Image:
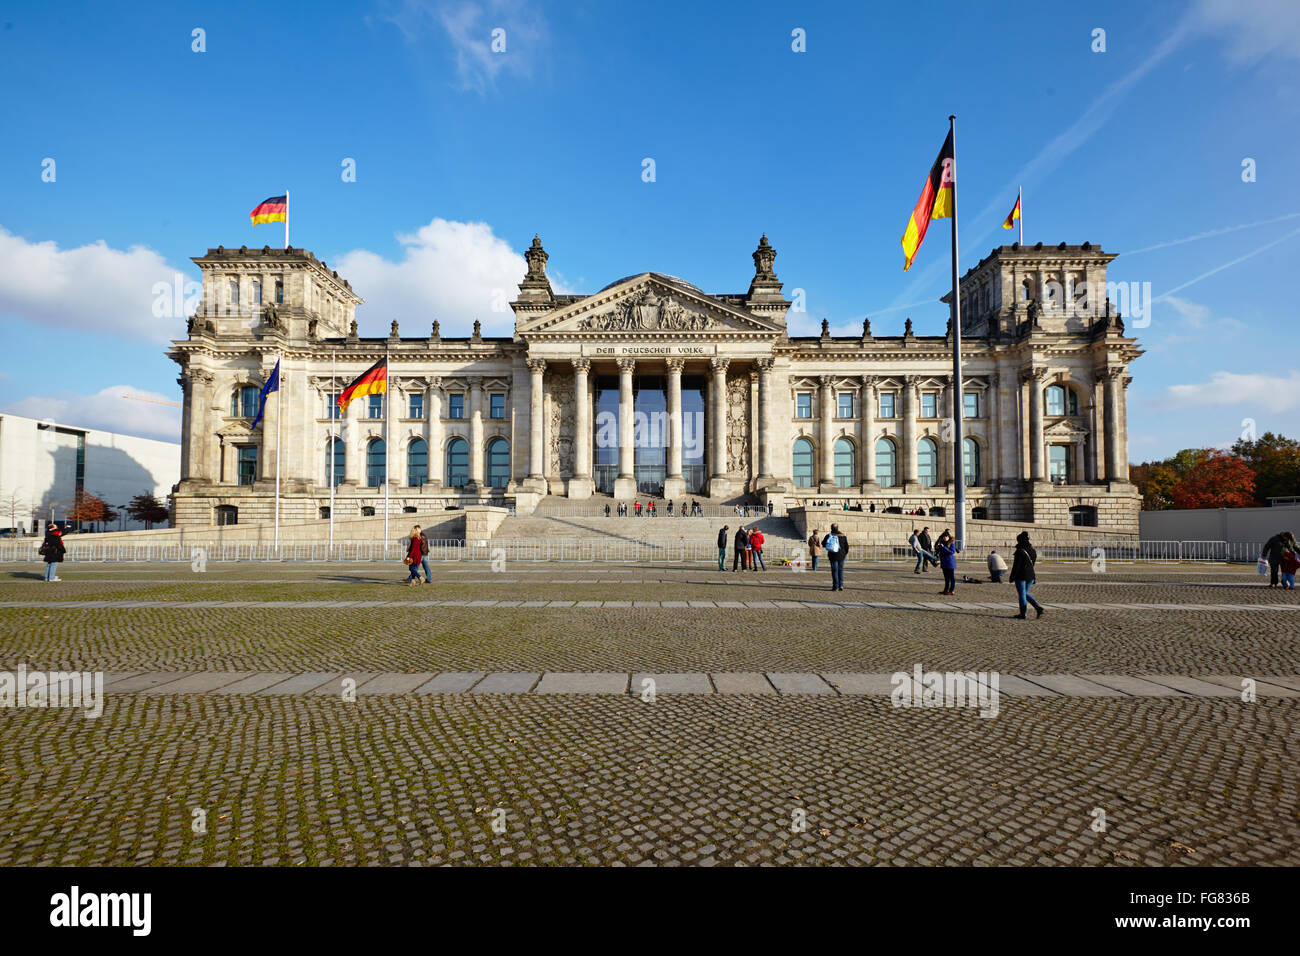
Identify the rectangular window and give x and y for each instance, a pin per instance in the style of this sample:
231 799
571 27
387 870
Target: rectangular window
497 405
416 405
845 409
456 405
971 402
1058 464
332 405
234 291
887 404
929 404
279 292
256 292
803 405
247 464
375 407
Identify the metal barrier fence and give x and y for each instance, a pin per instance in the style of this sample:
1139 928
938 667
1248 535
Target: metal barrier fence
594 509
606 549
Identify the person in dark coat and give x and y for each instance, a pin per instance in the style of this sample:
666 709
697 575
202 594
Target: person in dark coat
52 550
1272 552
1022 573
927 546
946 549
742 543
837 549
722 548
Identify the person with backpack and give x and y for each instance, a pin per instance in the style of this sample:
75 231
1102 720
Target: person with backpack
722 548
756 545
837 549
1022 573
52 550
814 546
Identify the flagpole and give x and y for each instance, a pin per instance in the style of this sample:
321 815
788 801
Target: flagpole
959 448
1020 204
334 385
387 408
279 417
286 218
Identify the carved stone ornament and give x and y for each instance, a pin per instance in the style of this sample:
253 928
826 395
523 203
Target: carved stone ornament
647 312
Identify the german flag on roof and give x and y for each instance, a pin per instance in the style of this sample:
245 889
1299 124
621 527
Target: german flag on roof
275 209
935 202
373 381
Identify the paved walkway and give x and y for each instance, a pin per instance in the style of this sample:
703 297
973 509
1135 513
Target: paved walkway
323 683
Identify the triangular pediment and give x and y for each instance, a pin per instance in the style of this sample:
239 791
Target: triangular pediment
1065 428
648 303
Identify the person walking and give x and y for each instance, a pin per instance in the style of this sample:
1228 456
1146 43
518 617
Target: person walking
741 543
927 546
722 548
921 554
670 507
814 546
946 549
837 549
424 555
1272 552
756 543
997 566
52 550
1022 573
638 509
414 555
606 511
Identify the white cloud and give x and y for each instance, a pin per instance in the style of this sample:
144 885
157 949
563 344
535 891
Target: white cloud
92 287
470 27
1254 29
454 272
108 410
1193 313
1270 393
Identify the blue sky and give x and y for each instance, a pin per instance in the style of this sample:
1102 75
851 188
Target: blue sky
462 154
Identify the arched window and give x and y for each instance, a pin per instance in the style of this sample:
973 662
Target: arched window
844 476
1061 400
1026 290
335 462
417 463
367 511
927 463
457 462
498 461
227 514
376 463
243 402
803 463
886 463
971 460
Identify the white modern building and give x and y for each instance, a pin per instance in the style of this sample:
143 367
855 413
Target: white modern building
43 464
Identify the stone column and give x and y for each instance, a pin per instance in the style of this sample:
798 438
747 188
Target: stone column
581 484
536 449
991 461
867 409
908 451
1121 440
476 483
675 483
1037 453
1114 470
625 483
825 437
434 432
767 428
719 483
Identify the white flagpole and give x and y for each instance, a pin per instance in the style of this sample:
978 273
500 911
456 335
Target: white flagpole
286 218
279 417
387 395
1020 204
959 445
334 385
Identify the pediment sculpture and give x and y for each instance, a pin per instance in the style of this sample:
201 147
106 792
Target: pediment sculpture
647 311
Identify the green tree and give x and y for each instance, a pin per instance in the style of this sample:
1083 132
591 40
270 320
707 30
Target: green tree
1275 460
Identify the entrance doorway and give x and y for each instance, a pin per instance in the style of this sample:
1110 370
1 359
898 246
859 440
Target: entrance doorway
649 433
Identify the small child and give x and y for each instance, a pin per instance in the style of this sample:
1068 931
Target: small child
1290 564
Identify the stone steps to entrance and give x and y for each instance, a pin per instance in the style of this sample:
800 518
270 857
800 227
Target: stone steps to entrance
659 530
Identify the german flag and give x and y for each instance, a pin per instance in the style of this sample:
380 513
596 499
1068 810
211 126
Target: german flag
1009 222
373 381
935 202
275 209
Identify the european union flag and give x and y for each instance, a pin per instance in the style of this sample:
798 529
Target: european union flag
272 385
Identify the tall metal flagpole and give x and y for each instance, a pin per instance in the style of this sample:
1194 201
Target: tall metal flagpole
286 217
387 409
1020 204
334 386
959 446
279 418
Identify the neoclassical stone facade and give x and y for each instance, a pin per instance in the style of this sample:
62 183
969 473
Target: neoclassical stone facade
652 386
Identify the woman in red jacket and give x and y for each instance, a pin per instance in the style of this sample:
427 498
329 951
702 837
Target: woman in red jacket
414 554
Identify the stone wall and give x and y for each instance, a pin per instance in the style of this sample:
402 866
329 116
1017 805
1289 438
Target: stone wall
881 529
438 525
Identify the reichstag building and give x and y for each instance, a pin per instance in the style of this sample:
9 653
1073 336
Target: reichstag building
654 387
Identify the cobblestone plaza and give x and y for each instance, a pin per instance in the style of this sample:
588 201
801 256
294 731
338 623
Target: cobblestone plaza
502 716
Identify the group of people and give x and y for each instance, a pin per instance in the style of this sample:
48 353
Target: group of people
749 549
417 558
650 511
744 511
1283 557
